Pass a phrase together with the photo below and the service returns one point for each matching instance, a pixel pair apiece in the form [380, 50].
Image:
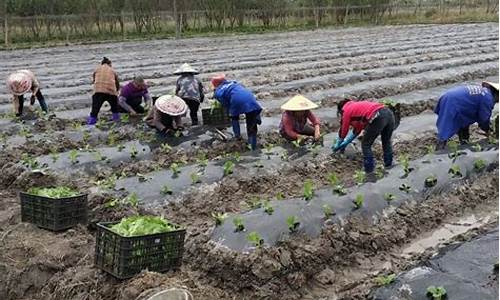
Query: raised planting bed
[125, 248]
[215, 116]
[367, 201]
[53, 210]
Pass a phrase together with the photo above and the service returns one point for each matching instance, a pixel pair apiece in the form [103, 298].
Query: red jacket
[292, 127]
[357, 114]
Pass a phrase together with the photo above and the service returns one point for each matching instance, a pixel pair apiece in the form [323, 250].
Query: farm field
[322, 248]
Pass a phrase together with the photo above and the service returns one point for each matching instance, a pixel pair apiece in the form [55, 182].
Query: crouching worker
[298, 120]
[190, 89]
[375, 119]
[20, 83]
[238, 100]
[463, 106]
[106, 86]
[166, 114]
[132, 95]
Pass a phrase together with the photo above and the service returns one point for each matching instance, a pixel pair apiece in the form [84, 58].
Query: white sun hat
[171, 105]
[186, 68]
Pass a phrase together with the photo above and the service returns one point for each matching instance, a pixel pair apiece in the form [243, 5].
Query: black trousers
[40, 99]
[193, 110]
[97, 101]
[135, 103]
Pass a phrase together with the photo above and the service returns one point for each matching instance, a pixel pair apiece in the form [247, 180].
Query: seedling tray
[54, 214]
[215, 116]
[123, 257]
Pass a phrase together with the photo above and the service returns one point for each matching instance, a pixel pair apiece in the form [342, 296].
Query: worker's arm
[15, 102]
[316, 123]
[202, 91]
[484, 114]
[122, 101]
[117, 82]
[157, 121]
[287, 124]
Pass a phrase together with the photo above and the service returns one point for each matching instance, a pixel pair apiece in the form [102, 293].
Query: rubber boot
[369, 164]
[441, 145]
[388, 160]
[252, 140]
[115, 117]
[91, 120]
[371, 177]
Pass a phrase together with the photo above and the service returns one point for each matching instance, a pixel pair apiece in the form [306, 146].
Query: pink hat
[217, 80]
[19, 83]
[171, 105]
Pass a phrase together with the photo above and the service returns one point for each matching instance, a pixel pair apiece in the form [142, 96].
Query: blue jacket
[461, 107]
[236, 98]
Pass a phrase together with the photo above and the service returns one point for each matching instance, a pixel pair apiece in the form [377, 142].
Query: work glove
[343, 143]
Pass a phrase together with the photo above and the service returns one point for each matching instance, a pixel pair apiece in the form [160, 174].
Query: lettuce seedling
[268, 209]
[236, 156]
[492, 140]
[29, 161]
[268, 150]
[430, 149]
[437, 293]
[297, 143]
[25, 132]
[228, 167]
[338, 187]
[174, 167]
[404, 160]
[133, 151]
[359, 177]
[385, 279]
[405, 188]
[254, 203]
[73, 156]
[54, 155]
[358, 201]
[165, 190]
[112, 203]
[195, 178]
[477, 148]
[219, 218]
[479, 165]
[280, 196]
[430, 181]
[454, 171]
[379, 172]
[255, 238]
[327, 211]
[238, 224]
[108, 182]
[112, 138]
[389, 197]
[284, 156]
[333, 179]
[120, 148]
[308, 190]
[293, 223]
[124, 118]
[98, 156]
[142, 177]
[165, 148]
[133, 199]
[202, 160]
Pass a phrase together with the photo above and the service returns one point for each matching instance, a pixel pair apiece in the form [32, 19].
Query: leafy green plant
[25, 132]
[385, 279]
[255, 238]
[268, 209]
[405, 188]
[359, 201]
[165, 148]
[142, 177]
[228, 167]
[112, 203]
[29, 161]
[86, 137]
[112, 138]
[219, 218]
[338, 187]
[254, 203]
[175, 168]
[98, 156]
[268, 150]
[73, 156]
[455, 171]
[389, 197]
[430, 149]
[195, 178]
[54, 155]
[359, 177]
[327, 211]
[238, 224]
[477, 148]
[202, 160]
[404, 160]
[165, 190]
[120, 148]
[280, 196]
[236, 156]
[132, 199]
[308, 190]
[108, 182]
[124, 118]
[479, 165]
[430, 181]
[284, 156]
[293, 223]
[297, 143]
[333, 179]
[143, 225]
[492, 140]
[379, 172]
[133, 151]
[436, 293]
[54, 192]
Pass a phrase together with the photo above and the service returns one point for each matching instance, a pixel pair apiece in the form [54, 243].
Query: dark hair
[106, 61]
[340, 106]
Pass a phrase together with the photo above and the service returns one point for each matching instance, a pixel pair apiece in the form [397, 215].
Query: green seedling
[254, 203]
[175, 168]
[297, 143]
[379, 172]
[338, 187]
[280, 196]
[327, 211]
[202, 160]
[236, 156]
[54, 155]
[165, 148]
[86, 137]
[479, 165]
[73, 156]
[120, 148]
[238, 224]
[124, 118]
[107, 183]
[455, 171]
[404, 160]
[142, 177]
[268, 209]
[268, 150]
[100, 124]
[219, 218]
[308, 190]
[25, 132]
[29, 161]
[255, 238]
[385, 279]
[112, 203]
[358, 201]
[293, 223]
[333, 179]
[133, 151]
[453, 147]
[228, 167]
[284, 156]
[112, 138]
[98, 156]
[430, 149]
[177, 133]
[436, 293]
[195, 178]
[133, 199]
[492, 140]
[477, 148]
[165, 190]
[405, 188]
[430, 181]
[389, 197]
[76, 125]
[359, 177]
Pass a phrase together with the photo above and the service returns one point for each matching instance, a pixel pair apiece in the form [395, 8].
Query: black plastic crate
[54, 214]
[215, 116]
[123, 257]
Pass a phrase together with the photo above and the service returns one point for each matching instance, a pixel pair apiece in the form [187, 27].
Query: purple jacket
[130, 91]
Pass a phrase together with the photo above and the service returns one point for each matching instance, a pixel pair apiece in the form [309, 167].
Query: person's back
[239, 99]
[189, 87]
[105, 80]
[465, 102]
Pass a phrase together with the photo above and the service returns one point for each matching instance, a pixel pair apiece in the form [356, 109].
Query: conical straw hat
[299, 103]
[493, 85]
[171, 105]
[185, 68]
[19, 83]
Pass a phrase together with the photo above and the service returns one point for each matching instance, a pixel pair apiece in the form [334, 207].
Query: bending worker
[166, 114]
[463, 106]
[106, 86]
[298, 120]
[20, 83]
[132, 95]
[375, 119]
[238, 100]
[190, 89]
